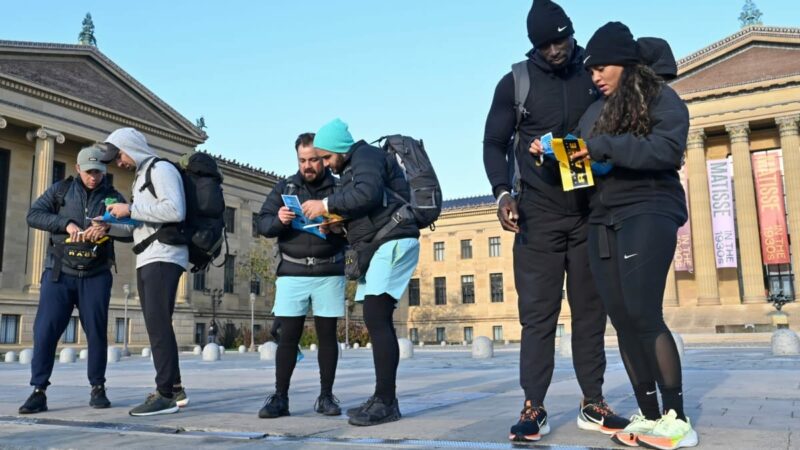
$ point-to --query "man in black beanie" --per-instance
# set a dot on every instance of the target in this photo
(551, 225)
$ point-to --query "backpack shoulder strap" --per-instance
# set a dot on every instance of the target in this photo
(148, 180)
(61, 192)
(522, 88)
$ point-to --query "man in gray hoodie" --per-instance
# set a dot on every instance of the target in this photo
(159, 266)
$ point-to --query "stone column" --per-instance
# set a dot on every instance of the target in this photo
(45, 140)
(183, 289)
(705, 265)
(790, 144)
(671, 289)
(750, 262)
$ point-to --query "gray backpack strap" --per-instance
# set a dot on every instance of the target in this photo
(522, 87)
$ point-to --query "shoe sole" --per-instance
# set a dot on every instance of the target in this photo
(274, 417)
(690, 440)
(182, 403)
(519, 437)
(392, 418)
(31, 411)
(101, 406)
(330, 414)
(591, 426)
(629, 443)
(172, 410)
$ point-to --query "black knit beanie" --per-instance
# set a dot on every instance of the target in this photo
(611, 44)
(656, 53)
(547, 22)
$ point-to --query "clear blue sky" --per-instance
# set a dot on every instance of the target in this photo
(261, 72)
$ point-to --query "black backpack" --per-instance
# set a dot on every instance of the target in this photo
(522, 87)
(203, 230)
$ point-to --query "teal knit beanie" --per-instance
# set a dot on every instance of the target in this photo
(334, 137)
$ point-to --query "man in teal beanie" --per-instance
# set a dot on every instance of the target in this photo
(385, 261)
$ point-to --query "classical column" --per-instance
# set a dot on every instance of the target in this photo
(671, 289)
(705, 265)
(183, 289)
(42, 179)
(790, 143)
(752, 269)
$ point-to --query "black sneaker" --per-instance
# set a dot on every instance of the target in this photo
(532, 424)
(98, 399)
(36, 403)
(277, 405)
(598, 416)
(327, 404)
(357, 410)
(154, 405)
(181, 399)
(376, 412)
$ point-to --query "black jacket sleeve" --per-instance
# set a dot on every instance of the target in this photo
(498, 132)
(43, 216)
(662, 149)
(268, 223)
(365, 193)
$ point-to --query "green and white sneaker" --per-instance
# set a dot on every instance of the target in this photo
(155, 404)
(181, 399)
(669, 433)
(638, 425)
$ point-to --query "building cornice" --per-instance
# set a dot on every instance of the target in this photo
(740, 38)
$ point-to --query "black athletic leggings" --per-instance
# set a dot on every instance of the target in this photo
(378, 311)
(629, 263)
(291, 328)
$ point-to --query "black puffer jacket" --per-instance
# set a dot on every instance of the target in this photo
(296, 243)
(79, 203)
(644, 179)
(363, 199)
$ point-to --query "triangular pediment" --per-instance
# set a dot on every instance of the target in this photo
(82, 74)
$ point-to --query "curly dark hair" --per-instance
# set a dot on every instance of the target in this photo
(627, 110)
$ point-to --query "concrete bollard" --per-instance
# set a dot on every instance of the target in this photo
(146, 352)
(313, 347)
(84, 354)
(565, 346)
(221, 351)
(369, 344)
(197, 350)
(464, 343)
(678, 344)
(406, 348)
(211, 352)
(421, 344)
(242, 349)
(114, 354)
(11, 356)
(506, 342)
(482, 348)
(785, 343)
(443, 343)
(356, 345)
(268, 351)
(67, 355)
(26, 356)
(342, 345)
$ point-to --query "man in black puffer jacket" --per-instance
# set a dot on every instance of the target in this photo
(388, 253)
(77, 273)
(310, 273)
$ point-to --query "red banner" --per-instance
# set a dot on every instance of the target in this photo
(683, 251)
(771, 208)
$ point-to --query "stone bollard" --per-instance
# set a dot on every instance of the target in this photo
(506, 342)
(482, 348)
(26, 356)
(312, 347)
(443, 343)
(464, 343)
(221, 351)
(678, 344)
(369, 344)
(197, 350)
(114, 354)
(785, 342)
(356, 345)
(11, 356)
(83, 354)
(211, 352)
(146, 352)
(67, 355)
(242, 349)
(268, 351)
(565, 346)
(342, 345)
(421, 343)
(406, 348)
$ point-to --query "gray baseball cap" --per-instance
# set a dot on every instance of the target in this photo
(91, 158)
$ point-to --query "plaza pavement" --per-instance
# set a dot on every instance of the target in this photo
(739, 397)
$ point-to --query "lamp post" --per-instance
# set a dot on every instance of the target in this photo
(216, 299)
(126, 289)
(252, 322)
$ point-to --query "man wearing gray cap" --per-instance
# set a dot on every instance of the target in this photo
(77, 273)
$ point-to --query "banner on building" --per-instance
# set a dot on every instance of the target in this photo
(683, 251)
(722, 213)
(771, 208)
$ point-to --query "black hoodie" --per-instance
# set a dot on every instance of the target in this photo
(556, 102)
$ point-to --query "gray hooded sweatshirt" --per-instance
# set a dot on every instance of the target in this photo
(149, 211)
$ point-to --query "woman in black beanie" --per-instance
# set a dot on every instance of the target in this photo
(640, 126)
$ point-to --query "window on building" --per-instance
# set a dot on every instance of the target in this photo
(494, 247)
(466, 249)
(440, 335)
(230, 219)
(70, 335)
(497, 332)
(779, 279)
(560, 330)
(120, 330)
(496, 283)
(255, 285)
(467, 289)
(413, 335)
(199, 333)
(255, 225)
(468, 335)
(9, 328)
(413, 292)
(200, 280)
(440, 290)
(438, 251)
(230, 274)
(59, 171)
